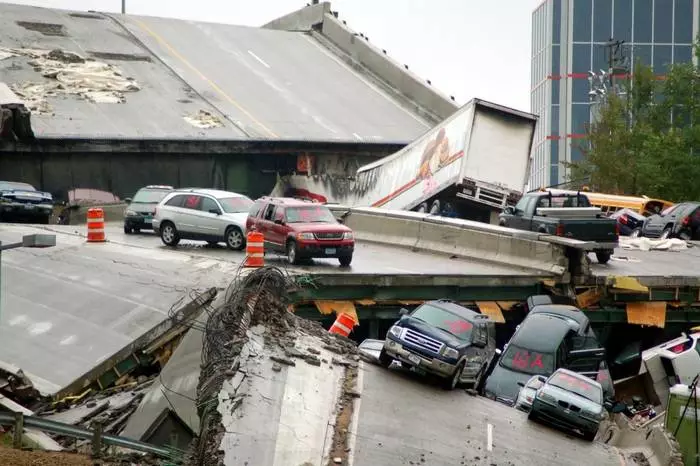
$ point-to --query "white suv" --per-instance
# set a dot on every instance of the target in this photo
(202, 214)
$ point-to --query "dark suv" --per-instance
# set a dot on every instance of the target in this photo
(23, 201)
(445, 339)
(301, 229)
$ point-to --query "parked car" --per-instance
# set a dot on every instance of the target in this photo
(370, 349)
(139, 211)
(629, 222)
(541, 344)
(678, 221)
(566, 215)
(202, 214)
(445, 339)
(527, 393)
(571, 401)
(302, 230)
(21, 201)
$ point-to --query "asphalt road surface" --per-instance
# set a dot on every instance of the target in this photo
(407, 420)
(368, 257)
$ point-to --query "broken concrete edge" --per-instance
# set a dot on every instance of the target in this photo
(343, 427)
(180, 317)
(619, 432)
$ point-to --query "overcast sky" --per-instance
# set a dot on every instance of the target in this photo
(467, 48)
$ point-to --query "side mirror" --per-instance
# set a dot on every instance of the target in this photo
(127, 200)
(522, 384)
(542, 378)
(403, 311)
(509, 210)
(214, 211)
(340, 220)
(279, 222)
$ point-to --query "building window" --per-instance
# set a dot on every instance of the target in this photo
(554, 123)
(556, 83)
(663, 21)
(683, 27)
(662, 58)
(553, 175)
(580, 118)
(583, 12)
(600, 60)
(642, 20)
(581, 65)
(554, 152)
(602, 20)
(622, 27)
(556, 22)
(682, 53)
(642, 53)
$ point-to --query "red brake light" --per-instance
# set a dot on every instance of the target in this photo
(560, 230)
(623, 219)
(686, 221)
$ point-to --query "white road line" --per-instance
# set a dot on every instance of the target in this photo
(258, 59)
(489, 437)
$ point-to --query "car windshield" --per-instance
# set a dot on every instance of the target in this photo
(571, 200)
(668, 210)
(519, 359)
(310, 214)
(235, 205)
(444, 320)
(149, 196)
(577, 385)
(8, 185)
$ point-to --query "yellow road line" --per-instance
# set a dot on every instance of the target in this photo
(201, 75)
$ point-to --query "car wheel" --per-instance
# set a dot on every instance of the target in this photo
(666, 234)
(532, 416)
(685, 236)
(292, 253)
(127, 230)
(384, 359)
(169, 234)
(137, 230)
(452, 382)
(589, 436)
(345, 260)
(636, 233)
(603, 256)
(479, 379)
(234, 239)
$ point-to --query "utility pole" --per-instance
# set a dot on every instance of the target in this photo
(123, 7)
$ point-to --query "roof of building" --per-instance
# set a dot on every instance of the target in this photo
(119, 76)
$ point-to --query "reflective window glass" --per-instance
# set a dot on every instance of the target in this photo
(622, 26)
(556, 22)
(642, 21)
(582, 20)
(662, 58)
(663, 21)
(683, 27)
(602, 20)
(682, 53)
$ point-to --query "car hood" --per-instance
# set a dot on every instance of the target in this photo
(143, 207)
(319, 227)
(26, 195)
(504, 383)
(432, 332)
(581, 402)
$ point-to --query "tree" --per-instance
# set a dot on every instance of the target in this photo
(643, 141)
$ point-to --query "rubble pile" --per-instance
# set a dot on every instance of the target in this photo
(256, 301)
(69, 73)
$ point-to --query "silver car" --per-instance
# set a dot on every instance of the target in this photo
(204, 215)
(527, 393)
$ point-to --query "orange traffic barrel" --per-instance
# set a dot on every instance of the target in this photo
(95, 225)
(343, 325)
(255, 249)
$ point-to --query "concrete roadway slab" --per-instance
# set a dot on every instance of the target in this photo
(369, 258)
(404, 420)
(650, 263)
(66, 308)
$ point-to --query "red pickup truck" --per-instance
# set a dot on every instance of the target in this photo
(301, 229)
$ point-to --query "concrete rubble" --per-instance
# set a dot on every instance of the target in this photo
(203, 119)
(272, 383)
(68, 73)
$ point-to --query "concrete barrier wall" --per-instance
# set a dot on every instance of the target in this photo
(461, 238)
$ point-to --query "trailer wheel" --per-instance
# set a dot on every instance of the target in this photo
(435, 208)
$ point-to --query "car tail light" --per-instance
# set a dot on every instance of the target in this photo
(560, 230)
(623, 219)
(686, 221)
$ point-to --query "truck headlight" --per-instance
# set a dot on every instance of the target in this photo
(544, 396)
(130, 213)
(450, 352)
(396, 331)
(347, 235)
(305, 236)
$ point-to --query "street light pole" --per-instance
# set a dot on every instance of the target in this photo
(28, 241)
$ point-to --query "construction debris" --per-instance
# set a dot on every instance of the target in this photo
(69, 73)
(203, 119)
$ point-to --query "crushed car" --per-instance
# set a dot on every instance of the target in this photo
(22, 201)
(442, 338)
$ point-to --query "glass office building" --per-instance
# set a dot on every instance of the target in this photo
(568, 41)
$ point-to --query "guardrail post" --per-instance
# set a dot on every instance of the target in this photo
(19, 431)
(97, 440)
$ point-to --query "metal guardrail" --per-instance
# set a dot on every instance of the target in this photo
(46, 425)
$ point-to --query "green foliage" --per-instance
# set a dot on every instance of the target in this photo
(642, 142)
